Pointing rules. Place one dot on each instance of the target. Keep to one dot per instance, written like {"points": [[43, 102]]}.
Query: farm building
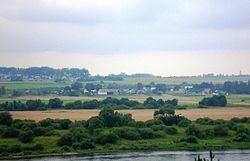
{"points": [[103, 92]]}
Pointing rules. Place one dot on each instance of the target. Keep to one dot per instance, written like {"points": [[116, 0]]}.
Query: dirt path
{"points": [[140, 115]]}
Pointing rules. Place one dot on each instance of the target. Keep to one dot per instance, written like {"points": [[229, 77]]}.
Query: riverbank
{"points": [[111, 131], [125, 146], [120, 152], [231, 155]]}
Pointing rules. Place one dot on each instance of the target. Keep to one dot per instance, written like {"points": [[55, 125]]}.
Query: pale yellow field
{"points": [[139, 115]]}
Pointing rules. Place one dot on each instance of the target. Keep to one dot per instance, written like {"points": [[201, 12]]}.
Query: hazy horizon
{"points": [[165, 38]]}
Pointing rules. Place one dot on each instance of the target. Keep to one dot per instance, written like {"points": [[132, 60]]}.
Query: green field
{"points": [[127, 81], [32, 85], [180, 80]]}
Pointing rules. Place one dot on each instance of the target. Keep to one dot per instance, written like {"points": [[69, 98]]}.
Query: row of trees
{"points": [[30, 105], [153, 103], [114, 103], [235, 87]]}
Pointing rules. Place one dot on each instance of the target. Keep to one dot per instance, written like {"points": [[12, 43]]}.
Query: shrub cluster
{"points": [[26, 130], [214, 101]]}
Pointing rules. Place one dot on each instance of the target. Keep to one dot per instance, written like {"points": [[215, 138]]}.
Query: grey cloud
{"points": [[126, 26]]}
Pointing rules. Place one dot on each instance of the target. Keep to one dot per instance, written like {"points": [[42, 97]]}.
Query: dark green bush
{"points": [[146, 133], [55, 103], [40, 131], [5, 118], [38, 147], [14, 148], [3, 149], [153, 122], [46, 123], [65, 148], [241, 120], [242, 137], [208, 121], [64, 123], [1, 130], [190, 139], [140, 124], [214, 101], [171, 130], [127, 133], [221, 131], [105, 138], [10, 132], [184, 123], [76, 145], [86, 144], [25, 136], [172, 119], [159, 134], [203, 121], [158, 127], [131, 135], [35, 147], [94, 123], [27, 125], [231, 125], [79, 134], [243, 130], [65, 140], [192, 130]]}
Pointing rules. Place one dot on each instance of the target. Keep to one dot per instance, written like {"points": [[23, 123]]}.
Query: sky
{"points": [[161, 37]]}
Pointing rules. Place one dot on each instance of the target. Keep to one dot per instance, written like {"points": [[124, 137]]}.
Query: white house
{"points": [[103, 92]]}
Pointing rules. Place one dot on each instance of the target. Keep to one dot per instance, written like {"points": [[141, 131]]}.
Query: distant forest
{"points": [[64, 74]]}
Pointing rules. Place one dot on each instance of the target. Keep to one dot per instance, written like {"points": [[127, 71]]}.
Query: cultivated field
{"points": [[139, 115]]}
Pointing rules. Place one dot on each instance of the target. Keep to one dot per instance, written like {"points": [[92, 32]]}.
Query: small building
{"points": [[103, 92], [188, 87]]}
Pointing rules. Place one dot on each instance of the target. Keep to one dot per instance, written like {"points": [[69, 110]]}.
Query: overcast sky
{"points": [[162, 37]]}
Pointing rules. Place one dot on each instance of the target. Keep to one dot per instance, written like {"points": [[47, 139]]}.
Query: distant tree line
{"points": [[46, 72], [58, 75], [109, 102], [235, 87]]}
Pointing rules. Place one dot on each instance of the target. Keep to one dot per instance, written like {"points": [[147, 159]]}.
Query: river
{"points": [[232, 155]]}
